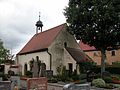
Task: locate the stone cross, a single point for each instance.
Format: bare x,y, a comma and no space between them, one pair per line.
35,69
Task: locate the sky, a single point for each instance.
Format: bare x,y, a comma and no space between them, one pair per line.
18,18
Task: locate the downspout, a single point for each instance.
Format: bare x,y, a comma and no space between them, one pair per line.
50,59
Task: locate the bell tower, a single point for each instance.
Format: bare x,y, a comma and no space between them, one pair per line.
39,25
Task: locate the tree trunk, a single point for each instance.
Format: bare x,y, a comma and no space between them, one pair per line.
103,59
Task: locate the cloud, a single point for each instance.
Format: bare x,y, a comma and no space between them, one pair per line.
18,18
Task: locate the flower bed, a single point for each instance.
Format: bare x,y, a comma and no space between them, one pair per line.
115,80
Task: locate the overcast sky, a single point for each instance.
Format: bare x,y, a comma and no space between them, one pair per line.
18,18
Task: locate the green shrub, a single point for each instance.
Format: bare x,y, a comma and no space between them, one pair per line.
117,63
62,73
75,77
29,74
83,81
83,76
98,82
116,77
85,66
52,80
98,75
5,77
109,86
79,77
111,69
108,79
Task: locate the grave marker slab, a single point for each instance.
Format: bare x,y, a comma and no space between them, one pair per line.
37,83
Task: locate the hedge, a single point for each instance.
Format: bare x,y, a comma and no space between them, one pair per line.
111,69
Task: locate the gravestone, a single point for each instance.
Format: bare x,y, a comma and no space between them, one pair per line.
37,83
43,70
49,73
15,81
35,69
5,85
1,79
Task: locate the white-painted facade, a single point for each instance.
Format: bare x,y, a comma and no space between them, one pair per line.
43,56
7,68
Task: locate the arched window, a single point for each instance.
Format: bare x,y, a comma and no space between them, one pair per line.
65,44
25,68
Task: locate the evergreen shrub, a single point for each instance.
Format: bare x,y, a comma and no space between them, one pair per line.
98,82
111,69
108,79
29,74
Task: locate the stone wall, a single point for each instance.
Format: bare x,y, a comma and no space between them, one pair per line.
55,86
58,52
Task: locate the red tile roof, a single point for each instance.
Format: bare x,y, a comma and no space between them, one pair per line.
86,47
78,55
41,40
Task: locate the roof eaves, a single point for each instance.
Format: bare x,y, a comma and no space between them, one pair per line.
40,50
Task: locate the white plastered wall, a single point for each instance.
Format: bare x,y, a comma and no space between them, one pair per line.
43,56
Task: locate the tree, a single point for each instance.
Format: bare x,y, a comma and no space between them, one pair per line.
4,53
96,23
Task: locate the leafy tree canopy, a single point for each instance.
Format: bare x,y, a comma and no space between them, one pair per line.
95,22
4,53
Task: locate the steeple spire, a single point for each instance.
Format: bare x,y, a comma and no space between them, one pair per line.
39,25
39,16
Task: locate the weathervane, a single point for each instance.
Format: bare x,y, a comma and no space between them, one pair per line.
39,25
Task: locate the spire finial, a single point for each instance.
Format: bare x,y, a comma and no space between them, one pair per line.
39,16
